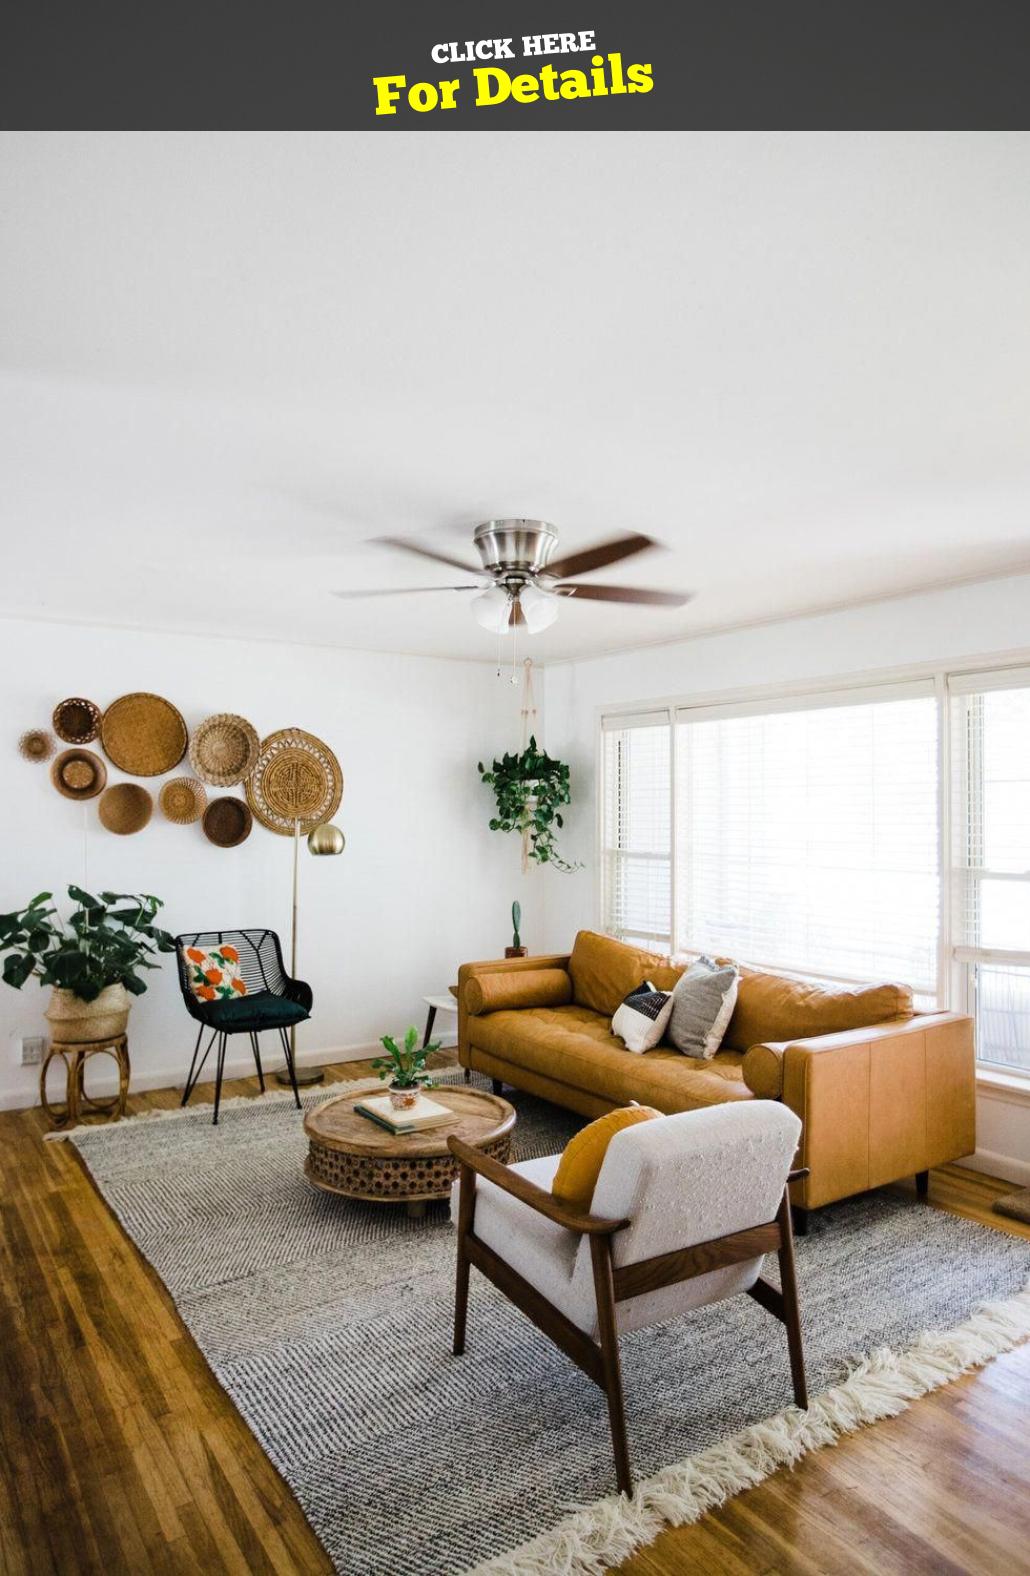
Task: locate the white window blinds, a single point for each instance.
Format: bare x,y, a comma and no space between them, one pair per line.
807,838
636,801
990,747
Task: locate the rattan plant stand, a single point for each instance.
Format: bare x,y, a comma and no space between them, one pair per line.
349,1155
77,1103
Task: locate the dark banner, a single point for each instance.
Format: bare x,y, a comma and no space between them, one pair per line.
570,65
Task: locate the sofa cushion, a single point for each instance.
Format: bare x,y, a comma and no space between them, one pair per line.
502,991
604,971
771,1007
575,1046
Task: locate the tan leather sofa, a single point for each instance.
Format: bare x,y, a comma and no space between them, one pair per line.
882,1092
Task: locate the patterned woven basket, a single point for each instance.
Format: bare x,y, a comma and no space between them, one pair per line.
297,779
143,734
183,800
36,745
224,749
227,822
125,808
76,721
78,774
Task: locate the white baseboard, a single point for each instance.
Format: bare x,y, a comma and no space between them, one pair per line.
1004,1166
238,1066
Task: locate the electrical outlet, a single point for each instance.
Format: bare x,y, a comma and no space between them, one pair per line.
32,1049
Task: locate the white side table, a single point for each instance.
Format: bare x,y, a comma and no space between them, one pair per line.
437,1004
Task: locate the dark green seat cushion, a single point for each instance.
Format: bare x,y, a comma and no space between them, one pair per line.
247,1014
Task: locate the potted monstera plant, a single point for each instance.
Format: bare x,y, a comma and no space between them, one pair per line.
94,960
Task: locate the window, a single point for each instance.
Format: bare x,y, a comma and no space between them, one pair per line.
990,733
635,836
806,834
808,839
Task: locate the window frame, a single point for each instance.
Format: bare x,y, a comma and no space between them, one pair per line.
955,981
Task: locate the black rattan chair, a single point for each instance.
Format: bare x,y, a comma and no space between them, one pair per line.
273,1001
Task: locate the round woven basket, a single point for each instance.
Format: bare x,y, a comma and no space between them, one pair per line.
125,808
78,774
297,779
36,745
183,800
224,749
227,822
143,734
76,721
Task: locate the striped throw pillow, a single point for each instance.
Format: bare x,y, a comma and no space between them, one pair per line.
702,1005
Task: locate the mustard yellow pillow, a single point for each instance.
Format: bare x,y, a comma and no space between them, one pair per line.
583,1156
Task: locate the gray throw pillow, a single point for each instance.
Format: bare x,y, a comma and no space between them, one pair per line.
702,1005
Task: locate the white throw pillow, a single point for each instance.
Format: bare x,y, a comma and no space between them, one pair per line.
702,1006
640,1020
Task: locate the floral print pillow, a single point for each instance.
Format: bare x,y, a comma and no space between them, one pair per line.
214,973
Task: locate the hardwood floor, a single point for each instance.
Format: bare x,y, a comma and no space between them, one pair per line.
120,1453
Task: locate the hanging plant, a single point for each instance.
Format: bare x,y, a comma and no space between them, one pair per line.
530,790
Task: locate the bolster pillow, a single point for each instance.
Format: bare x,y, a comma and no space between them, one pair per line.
507,991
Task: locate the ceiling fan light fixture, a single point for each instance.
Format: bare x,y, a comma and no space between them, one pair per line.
492,609
539,608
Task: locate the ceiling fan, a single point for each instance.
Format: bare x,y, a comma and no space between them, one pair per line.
520,582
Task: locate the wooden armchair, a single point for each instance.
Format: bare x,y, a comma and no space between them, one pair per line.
684,1210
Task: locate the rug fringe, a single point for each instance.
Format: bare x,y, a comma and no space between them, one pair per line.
597,1537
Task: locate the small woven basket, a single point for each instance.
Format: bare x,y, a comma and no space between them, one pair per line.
36,745
76,721
224,749
125,808
78,774
227,822
183,800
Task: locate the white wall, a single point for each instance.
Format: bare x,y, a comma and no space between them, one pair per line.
422,885
950,627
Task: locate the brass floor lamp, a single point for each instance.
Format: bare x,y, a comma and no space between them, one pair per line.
324,840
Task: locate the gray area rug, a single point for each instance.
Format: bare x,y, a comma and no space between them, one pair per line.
329,1324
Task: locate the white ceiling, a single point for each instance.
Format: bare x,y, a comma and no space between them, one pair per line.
228,361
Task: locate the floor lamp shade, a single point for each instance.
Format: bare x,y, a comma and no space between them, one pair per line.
326,839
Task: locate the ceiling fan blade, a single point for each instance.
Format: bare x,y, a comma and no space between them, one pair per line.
600,555
636,594
402,591
407,545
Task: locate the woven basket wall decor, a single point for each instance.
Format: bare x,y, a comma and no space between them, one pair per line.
36,745
76,721
183,800
224,749
227,822
125,808
297,778
78,774
143,734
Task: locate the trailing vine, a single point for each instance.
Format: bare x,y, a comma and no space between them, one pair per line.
530,789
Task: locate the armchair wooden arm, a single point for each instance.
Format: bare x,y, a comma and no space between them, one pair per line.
527,1192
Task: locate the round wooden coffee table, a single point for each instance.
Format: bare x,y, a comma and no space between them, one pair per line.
350,1155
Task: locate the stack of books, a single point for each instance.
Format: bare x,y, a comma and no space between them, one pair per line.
417,1118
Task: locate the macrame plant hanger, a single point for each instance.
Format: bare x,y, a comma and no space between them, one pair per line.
529,727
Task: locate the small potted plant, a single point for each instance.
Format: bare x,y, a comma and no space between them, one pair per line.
516,950
405,1067
93,961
